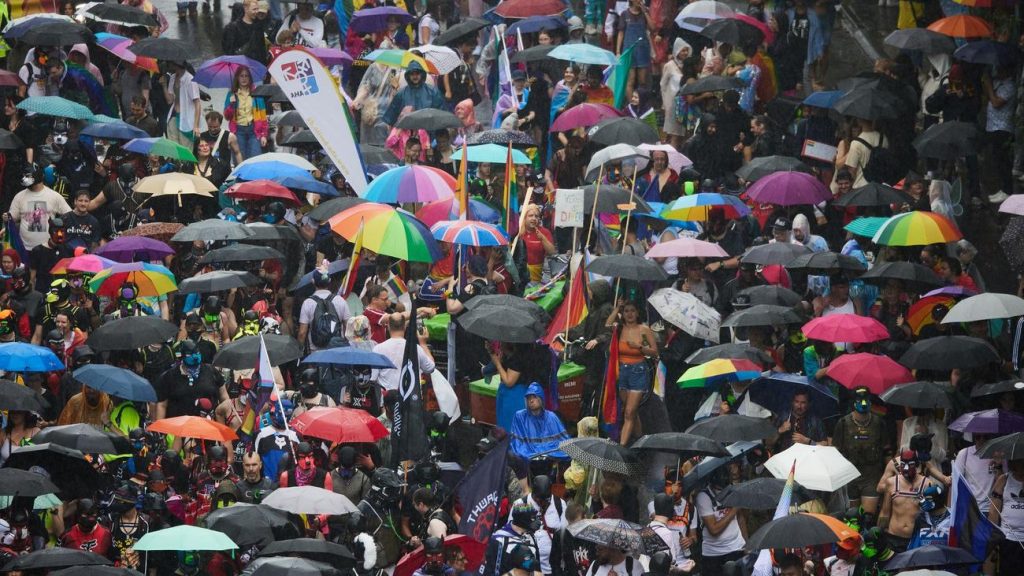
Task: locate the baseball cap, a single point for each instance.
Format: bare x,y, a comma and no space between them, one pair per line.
782,223
575,23
518,75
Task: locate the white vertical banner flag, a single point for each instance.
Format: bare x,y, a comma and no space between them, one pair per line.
312,91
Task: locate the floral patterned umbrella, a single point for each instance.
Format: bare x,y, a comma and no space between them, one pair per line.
626,536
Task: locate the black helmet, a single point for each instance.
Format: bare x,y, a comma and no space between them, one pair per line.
54,337
126,172
87,506
387,482
187,347
660,564
137,435
217,452
153,502
82,355
20,272
212,305
303,449
433,545
250,315
439,421
427,472
525,516
664,505
523,558
31,174
275,209
541,487
311,374
60,291
347,456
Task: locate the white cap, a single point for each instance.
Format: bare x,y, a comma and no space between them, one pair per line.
575,23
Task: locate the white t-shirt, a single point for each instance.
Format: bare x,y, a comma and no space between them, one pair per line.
979,473
33,210
311,31
394,349
729,540
34,77
620,569
309,308
671,539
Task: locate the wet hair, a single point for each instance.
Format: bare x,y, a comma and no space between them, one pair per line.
214,115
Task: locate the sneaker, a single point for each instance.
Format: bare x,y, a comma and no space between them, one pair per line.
998,197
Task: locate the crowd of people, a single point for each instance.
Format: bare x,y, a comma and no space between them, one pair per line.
810,234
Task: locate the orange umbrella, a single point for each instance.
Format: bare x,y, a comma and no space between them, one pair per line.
194,427
962,26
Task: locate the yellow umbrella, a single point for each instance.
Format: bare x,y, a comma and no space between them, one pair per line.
175,184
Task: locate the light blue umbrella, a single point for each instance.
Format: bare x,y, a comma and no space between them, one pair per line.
492,153
55,106
584,54
273,170
116,381
823,99
22,357
349,356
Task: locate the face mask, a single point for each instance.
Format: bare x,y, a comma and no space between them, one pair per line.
306,462
87,523
193,360
57,237
194,334
27,181
75,282
60,139
346,473
308,390
853,525
927,504
218,467
269,218
5,328
861,405
908,470
869,551
211,318
127,293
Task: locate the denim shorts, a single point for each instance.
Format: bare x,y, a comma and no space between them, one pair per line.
634,377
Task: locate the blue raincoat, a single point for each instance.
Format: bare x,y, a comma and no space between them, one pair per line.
537,434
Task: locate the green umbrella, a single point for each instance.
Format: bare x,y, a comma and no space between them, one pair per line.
43,502
160,147
184,537
492,153
104,119
866,226
55,106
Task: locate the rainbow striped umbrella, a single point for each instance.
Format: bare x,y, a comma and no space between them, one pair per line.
469,233
86,263
411,184
719,371
695,207
400,59
151,279
387,231
917,229
920,313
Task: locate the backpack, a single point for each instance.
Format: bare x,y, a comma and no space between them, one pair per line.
326,324
882,166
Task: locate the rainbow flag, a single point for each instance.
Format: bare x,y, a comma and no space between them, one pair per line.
12,239
571,311
353,265
609,397
510,196
397,286
462,184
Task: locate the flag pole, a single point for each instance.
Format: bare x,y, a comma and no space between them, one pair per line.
593,210
568,312
625,228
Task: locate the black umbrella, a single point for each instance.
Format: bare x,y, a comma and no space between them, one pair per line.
826,262
132,333
377,155
289,567
874,194
56,33
1012,243
907,272
732,350
312,549
17,397
96,571
429,119
700,473
949,353
765,165
680,443
68,468
930,556
493,323
712,83
758,494
622,131
868,104
771,294
509,303
253,524
797,531
290,118
164,48
609,197
271,93
532,54
503,137
1001,387
240,253
774,253
921,39
987,52
762,315
627,266
122,14
10,141
217,281
603,454
324,210
15,482
733,428
262,231
463,28
1009,447
243,353
49,558
632,539
733,31
211,230
948,141
85,438
924,395
301,138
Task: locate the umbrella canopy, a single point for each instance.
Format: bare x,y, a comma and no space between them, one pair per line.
469,233
55,106
86,264
733,31
930,556
369,20
704,10
868,104
388,231
986,52
443,58
771,294
826,262
400,59
609,197
85,438
217,281
823,99
220,72
194,427
866,226
584,54
430,119
763,166
875,371
627,266
923,395
22,357
1009,447
947,141
620,535
493,323
508,302
117,382
411,184
922,40
776,390
986,306
243,353
603,454
309,500
114,131
781,253
275,170
261,190
700,473
491,153
762,315
291,567
1012,243
56,33
293,160
1012,385
134,248
96,571
680,443
311,548
50,558
717,372
14,396
503,137
962,26
712,84
687,248
164,48
676,160
817,467
789,188
911,273
473,550
118,46
463,28
15,482
339,424
949,353
1013,205
686,312
995,421
324,210
213,229
925,311
799,530
150,279
253,524
15,29
733,428
527,8
132,333
583,115
758,494
531,54
615,153
68,468
160,147
184,537
630,131
730,350
845,328
162,231
874,194
240,253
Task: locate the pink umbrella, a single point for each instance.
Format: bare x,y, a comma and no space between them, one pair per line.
687,248
789,189
582,116
332,56
769,36
876,372
845,328
1013,205
89,263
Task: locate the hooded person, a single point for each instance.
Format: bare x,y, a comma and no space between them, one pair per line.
518,531
536,430
709,150
417,93
79,54
802,234
672,75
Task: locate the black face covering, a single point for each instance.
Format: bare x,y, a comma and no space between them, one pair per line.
87,523
308,390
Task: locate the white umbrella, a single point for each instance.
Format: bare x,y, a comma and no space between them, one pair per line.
1013,205
676,160
443,57
817,467
687,313
309,500
293,159
987,306
175,184
616,153
696,15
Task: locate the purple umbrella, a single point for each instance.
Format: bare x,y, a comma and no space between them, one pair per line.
950,291
132,248
220,72
993,421
332,56
789,189
370,20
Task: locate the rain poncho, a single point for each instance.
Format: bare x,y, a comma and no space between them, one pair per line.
534,434
813,241
418,96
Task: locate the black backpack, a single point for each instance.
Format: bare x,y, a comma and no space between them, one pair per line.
326,324
883,167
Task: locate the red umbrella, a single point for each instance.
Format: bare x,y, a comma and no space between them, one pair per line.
261,190
582,116
845,328
9,79
339,424
473,550
769,36
875,371
527,8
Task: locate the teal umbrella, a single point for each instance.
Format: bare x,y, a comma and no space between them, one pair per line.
493,153
184,537
55,106
866,226
584,54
